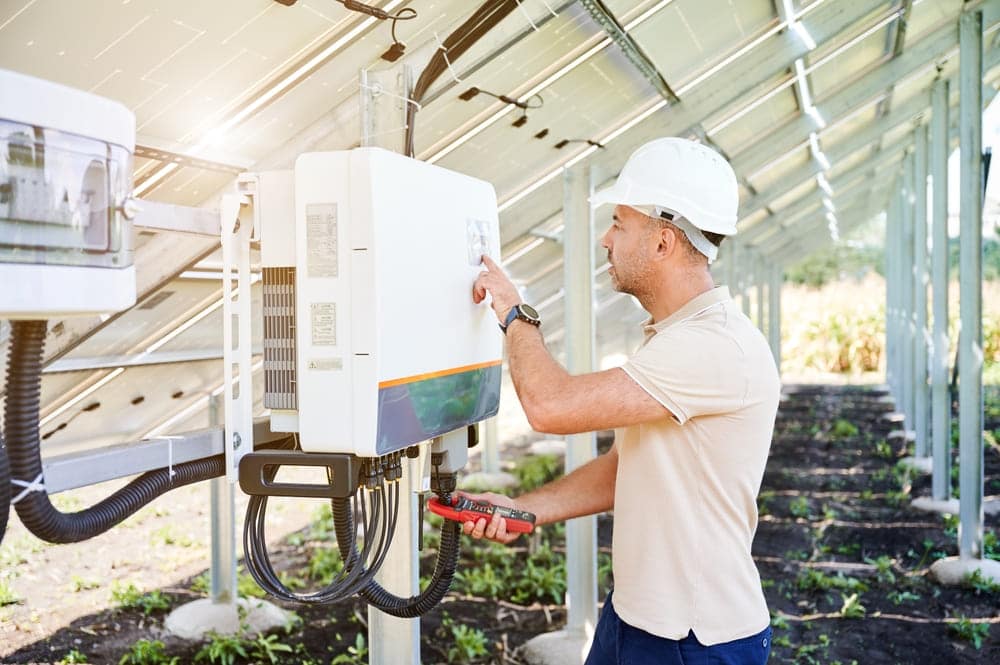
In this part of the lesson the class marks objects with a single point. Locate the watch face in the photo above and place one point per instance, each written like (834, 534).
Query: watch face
(530, 311)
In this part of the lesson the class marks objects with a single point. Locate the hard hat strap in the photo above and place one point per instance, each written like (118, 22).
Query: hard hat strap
(693, 233)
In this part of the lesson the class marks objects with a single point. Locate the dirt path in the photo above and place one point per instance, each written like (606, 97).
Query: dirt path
(843, 561)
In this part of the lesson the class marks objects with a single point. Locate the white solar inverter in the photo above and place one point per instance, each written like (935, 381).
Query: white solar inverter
(372, 341)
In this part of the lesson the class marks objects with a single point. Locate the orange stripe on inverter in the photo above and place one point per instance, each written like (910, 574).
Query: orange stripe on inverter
(434, 375)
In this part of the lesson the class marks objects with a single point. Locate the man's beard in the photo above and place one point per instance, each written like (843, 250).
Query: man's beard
(632, 282)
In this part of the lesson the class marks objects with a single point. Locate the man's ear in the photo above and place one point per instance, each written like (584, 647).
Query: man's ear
(668, 241)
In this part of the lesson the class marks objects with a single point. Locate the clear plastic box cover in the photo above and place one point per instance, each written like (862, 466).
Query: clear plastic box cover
(61, 198)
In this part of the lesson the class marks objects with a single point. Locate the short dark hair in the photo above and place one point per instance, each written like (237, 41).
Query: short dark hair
(714, 238)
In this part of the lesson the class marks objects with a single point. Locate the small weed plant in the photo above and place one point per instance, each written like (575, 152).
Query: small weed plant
(357, 654)
(7, 595)
(73, 657)
(130, 597)
(148, 652)
(843, 429)
(852, 607)
(970, 631)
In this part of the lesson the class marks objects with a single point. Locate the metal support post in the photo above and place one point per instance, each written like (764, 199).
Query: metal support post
(578, 270)
(761, 279)
(941, 399)
(774, 313)
(970, 362)
(921, 333)
(891, 335)
(730, 266)
(392, 639)
(490, 460)
(746, 277)
(907, 291)
(223, 507)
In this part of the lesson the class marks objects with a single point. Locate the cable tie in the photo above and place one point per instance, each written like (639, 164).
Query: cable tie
(170, 453)
(528, 16)
(444, 54)
(549, 7)
(377, 90)
(35, 485)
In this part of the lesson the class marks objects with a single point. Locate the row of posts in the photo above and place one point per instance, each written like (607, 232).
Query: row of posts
(920, 386)
(917, 345)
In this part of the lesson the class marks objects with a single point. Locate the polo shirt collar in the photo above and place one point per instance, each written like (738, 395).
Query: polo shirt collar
(697, 304)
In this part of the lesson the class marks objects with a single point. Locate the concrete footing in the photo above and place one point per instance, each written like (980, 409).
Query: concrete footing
(991, 507)
(561, 647)
(952, 571)
(548, 447)
(920, 464)
(192, 620)
(927, 504)
(907, 435)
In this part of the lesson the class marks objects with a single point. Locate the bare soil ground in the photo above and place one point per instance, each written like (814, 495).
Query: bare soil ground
(843, 557)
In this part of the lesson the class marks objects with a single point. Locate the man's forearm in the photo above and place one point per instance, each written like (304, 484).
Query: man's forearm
(587, 490)
(534, 372)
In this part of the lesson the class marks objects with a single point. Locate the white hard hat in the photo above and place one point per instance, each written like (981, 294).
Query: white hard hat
(680, 175)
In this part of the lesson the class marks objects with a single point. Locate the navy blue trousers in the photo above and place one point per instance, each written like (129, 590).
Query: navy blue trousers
(617, 643)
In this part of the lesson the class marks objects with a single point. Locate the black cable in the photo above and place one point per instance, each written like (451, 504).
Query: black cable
(23, 389)
(401, 15)
(488, 15)
(350, 580)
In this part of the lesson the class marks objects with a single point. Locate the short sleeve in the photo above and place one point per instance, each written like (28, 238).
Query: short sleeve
(692, 371)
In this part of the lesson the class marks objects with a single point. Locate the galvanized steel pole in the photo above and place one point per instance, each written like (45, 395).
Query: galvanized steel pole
(578, 271)
(941, 399)
(891, 333)
(774, 313)
(223, 508)
(490, 459)
(921, 333)
(907, 291)
(970, 362)
(760, 276)
(746, 275)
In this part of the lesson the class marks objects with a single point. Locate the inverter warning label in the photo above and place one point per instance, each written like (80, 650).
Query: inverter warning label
(323, 320)
(321, 240)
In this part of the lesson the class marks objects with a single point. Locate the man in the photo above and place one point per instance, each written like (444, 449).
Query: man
(693, 411)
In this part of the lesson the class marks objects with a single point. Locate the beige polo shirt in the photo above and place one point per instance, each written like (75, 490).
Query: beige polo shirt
(685, 498)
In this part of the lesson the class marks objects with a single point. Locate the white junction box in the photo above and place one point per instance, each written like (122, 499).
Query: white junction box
(372, 341)
(65, 179)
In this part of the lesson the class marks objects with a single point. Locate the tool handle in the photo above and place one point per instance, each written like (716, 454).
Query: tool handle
(464, 509)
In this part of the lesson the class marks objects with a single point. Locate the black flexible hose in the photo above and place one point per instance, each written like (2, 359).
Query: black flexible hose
(23, 389)
(4, 488)
(375, 594)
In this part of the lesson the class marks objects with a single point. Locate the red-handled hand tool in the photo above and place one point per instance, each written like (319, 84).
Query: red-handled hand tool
(464, 509)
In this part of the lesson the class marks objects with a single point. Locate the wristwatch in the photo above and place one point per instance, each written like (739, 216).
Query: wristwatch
(524, 312)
